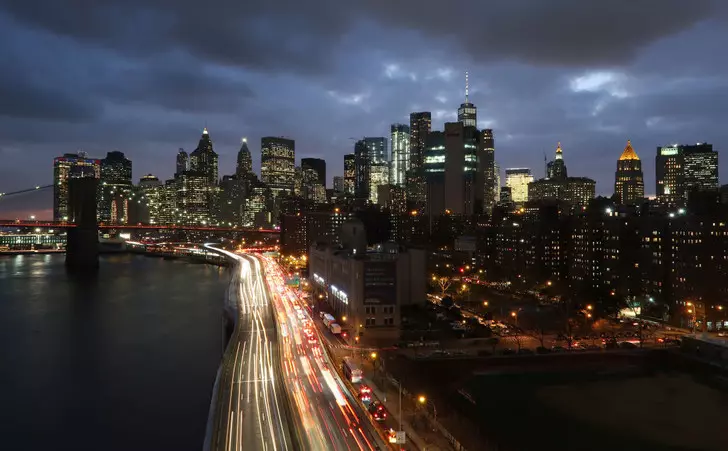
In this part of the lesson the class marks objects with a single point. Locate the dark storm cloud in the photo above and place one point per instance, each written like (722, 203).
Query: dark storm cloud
(260, 34)
(173, 86)
(21, 98)
(144, 76)
(300, 35)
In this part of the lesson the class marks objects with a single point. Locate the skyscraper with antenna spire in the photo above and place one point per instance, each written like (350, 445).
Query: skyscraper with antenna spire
(467, 113)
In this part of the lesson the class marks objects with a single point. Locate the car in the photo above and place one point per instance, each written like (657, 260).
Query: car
(365, 394)
(379, 413)
(558, 349)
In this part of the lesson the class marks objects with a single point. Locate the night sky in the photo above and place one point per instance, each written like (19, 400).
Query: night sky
(145, 76)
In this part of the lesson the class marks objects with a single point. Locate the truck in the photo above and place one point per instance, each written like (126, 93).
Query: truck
(335, 328)
(328, 319)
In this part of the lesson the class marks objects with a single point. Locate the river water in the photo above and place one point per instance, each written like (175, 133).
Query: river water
(124, 360)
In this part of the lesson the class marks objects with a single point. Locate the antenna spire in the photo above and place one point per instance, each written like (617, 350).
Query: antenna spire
(467, 86)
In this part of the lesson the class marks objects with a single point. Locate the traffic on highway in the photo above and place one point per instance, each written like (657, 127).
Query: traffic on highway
(249, 411)
(277, 387)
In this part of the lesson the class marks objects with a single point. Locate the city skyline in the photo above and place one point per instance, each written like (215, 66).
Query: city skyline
(590, 99)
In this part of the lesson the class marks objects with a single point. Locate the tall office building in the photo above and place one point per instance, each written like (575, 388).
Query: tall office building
(680, 169)
(349, 173)
(517, 179)
(487, 167)
(701, 168)
(575, 191)
(192, 198)
(204, 159)
(629, 185)
(152, 192)
(468, 113)
(339, 184)
(278, 165)
(70, 165)
(556, 169)
(311, 187)
(400, 154)
(371, 167)
(451, 166)
(183, 161)
(244, 167)
(115, 188)
(497, 177)
(318, 165)
(420, 127)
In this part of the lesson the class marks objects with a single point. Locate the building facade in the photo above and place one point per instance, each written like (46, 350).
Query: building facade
(115, 188)
(420, 127)
(65, 167)
(451, 166)
(400, 154)
(517, 179)
(367, 287)
(349, 173)
(629, 185)
(278, 164)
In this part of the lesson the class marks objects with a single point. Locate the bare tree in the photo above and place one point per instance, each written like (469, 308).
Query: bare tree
(517, 339)
(443, 283)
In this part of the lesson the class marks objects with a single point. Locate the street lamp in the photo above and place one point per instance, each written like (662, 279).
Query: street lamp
(422, 399)
(485, 303)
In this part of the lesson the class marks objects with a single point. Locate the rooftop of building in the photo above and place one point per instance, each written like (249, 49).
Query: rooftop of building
(629, 153)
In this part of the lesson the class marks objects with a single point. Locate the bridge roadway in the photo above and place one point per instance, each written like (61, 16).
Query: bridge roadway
(248, 410)
(69, 225)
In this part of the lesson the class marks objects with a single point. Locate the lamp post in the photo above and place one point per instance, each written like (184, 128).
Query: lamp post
(422, 399)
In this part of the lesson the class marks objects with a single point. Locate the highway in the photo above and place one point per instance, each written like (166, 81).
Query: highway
(328, 416)
(248, 409)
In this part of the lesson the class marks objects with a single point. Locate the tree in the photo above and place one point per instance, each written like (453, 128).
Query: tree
(443, 283)
(517, 339)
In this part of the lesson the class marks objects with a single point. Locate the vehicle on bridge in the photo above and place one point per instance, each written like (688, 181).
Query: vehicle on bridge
(352, 371)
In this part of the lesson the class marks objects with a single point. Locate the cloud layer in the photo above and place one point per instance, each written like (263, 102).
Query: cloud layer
(144, 77)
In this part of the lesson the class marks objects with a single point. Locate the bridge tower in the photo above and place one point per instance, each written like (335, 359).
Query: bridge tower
(82, 246)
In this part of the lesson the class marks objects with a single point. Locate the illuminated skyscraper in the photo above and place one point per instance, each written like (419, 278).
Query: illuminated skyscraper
(204, 159)
(151, 191)
(70, 165)
(420, 127)
(629, 185)
(371, 167)
(701, 168)
(556, 169)
(244, 167)
(491, 178)
(517, 179)
(193, 198)
(278, 164)
(349, 173)
(468, 113)
(115, 189)
(183, 161)
(450, 166)
(318, 166)
(400, 154)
